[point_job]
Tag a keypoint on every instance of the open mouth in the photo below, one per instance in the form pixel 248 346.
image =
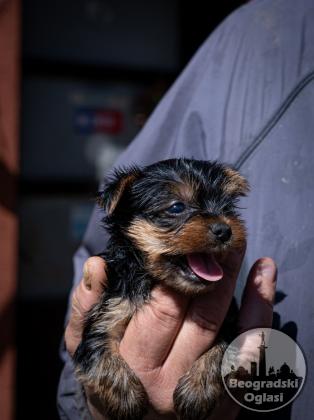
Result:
pixel 201 266
pixel 205 266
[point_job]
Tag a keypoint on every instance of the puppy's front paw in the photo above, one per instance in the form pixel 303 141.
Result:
pixel 115 390
pixel 200 389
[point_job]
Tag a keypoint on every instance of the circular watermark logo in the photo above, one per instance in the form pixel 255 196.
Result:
pixel 263 369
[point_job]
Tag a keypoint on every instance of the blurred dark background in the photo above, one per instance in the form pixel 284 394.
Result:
pixel 92 72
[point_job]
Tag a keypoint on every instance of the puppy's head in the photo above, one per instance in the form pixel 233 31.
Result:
pixel 181 215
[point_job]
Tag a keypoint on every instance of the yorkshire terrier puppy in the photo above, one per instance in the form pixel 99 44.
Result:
pixel 171 223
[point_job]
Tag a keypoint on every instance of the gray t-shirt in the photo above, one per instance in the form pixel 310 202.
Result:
pixel 246 98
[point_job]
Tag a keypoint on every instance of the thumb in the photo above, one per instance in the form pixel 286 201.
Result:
pixel 258 297
pixel 256 311
pixel 86 294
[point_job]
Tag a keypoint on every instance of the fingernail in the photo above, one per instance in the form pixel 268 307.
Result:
pixel 266 269
pixel 86 277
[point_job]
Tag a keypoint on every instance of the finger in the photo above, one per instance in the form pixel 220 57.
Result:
pixel 257 303
pixel 256 310
pixel 85 295
pixel 204 318
pixel 155 327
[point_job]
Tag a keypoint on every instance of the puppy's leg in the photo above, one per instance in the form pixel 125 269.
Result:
pixel 114 387
pixel 200 389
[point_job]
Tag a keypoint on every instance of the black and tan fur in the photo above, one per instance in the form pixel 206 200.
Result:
pixel 148 245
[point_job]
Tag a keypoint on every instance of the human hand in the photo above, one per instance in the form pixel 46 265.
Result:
pixel 156 340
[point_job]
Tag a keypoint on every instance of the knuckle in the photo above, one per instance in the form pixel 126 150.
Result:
pixel 205 324
pixel 165 315
pixel 68 340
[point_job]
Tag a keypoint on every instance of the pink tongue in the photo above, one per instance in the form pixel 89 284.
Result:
pixel 205 266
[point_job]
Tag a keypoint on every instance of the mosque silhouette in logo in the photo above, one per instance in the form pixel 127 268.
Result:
pixel 281 382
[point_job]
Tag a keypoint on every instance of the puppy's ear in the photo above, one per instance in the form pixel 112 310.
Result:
pixel 235 184
pixel 120 182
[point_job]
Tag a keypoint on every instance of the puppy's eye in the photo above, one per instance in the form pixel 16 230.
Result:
pixel 176 208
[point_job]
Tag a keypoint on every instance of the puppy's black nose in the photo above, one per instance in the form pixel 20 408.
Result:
pixel 222 231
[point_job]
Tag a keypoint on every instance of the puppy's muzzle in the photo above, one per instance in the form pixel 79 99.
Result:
pixel 222 231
